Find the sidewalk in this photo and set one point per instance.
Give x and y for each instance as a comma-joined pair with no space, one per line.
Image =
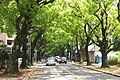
26,73
113,70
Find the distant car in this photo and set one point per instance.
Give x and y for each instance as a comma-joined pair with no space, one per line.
57,59
63,60
50,61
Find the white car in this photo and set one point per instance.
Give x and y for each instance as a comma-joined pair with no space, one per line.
50,61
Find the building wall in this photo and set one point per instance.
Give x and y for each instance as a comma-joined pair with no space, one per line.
3,36
91,55
8,41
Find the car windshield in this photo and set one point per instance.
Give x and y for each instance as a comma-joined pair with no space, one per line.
64,58
50,59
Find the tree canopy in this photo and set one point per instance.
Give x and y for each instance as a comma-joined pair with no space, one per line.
52,25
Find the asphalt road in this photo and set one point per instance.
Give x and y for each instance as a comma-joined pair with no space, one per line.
68,72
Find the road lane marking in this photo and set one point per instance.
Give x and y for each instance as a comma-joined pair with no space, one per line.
71,73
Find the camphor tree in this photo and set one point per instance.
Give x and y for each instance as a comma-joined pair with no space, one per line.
106,15
116,34
57,40
100,18
8,15
20,15
56,35
42,22
81,11
70,24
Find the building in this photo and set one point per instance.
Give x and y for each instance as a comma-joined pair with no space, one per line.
96,56
3,37
8,41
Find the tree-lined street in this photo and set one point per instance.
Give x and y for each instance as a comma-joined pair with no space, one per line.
68,72
33,31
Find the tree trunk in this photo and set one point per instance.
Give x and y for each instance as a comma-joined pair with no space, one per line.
77,54
32,54
104,59
104,47
2,63
34,43
13,63
14,68
24,56
80,56
87,55
68,51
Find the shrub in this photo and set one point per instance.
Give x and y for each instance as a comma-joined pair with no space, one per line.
113,61
117,53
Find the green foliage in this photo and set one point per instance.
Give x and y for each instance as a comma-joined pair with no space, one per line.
56,38
62,20
117,53
8,15
113,61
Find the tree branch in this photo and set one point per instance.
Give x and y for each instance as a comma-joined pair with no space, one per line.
118,6
97,37
17,22
82,40
85,30
96,14
17,1
111,30
95,42
40,2
80,16
78,10
0,2
110,50
113,43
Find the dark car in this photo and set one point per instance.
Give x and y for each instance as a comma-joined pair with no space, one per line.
63,60
57,59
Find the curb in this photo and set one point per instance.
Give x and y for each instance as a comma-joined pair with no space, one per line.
106,72
28,76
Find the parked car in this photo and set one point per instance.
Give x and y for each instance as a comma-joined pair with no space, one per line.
63,60
50,61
